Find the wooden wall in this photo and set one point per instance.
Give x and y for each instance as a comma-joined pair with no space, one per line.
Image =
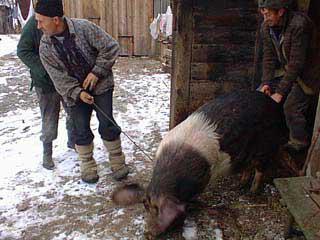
213,51
126,20
314,151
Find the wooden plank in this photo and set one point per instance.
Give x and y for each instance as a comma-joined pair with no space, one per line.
181,61
142,17
314,151
126,45
109,18
122,17
103,15
129,18
220,35
223,53
221,5
115,19
91,10
230,18
303,208
220,72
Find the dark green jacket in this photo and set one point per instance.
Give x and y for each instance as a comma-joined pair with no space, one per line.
28,52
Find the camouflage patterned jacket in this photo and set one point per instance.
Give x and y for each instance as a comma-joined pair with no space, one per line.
98,48
292,54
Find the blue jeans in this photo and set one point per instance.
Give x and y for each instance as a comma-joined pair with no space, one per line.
81,115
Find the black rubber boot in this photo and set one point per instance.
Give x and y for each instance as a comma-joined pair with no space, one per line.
47,161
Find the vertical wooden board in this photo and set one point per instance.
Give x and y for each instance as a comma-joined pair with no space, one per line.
90,10
314,152
78,8
130,17
126,46
137,26
122,18
103,16
115,19
181,61
143,13
109,17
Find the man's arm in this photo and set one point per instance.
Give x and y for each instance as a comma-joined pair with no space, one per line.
107,48
298,52
269,59
67,86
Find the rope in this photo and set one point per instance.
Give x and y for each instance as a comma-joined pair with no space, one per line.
131,140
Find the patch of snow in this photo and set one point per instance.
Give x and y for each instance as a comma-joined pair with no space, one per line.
190,230
8,43
3,80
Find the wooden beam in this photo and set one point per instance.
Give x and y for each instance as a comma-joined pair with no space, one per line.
302,203
314,151
181,61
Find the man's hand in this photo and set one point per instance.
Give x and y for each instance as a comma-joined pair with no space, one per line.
90,82
266,90
86,97
277,97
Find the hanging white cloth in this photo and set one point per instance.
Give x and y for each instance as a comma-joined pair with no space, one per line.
169,19
30,13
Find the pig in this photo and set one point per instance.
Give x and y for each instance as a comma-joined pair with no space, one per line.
235,133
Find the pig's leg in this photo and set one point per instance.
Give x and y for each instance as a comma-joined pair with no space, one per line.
256,181
245,177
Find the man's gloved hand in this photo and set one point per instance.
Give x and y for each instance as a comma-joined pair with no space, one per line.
266,90
277,97
90,82
86,97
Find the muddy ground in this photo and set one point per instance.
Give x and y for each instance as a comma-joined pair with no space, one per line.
224,206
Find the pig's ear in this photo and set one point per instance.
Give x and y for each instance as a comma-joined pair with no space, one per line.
128,195
170,210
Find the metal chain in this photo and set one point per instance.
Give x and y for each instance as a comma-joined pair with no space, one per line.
106,116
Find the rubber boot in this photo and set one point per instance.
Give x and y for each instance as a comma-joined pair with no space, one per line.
117,159
47,161
88,165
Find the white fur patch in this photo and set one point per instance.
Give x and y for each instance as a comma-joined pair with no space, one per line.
196,131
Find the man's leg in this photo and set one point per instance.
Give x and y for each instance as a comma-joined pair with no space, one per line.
295,108
49,107
69,126
81,114
110,134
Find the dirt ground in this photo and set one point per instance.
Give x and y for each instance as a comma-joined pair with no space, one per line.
225,205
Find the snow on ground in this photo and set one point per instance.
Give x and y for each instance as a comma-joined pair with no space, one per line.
31,197
8,43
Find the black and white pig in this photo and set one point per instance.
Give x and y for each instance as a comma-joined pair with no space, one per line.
234,133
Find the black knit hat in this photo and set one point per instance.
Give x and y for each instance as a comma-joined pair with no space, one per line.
49,8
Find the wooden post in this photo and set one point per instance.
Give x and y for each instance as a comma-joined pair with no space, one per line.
314,152
181,60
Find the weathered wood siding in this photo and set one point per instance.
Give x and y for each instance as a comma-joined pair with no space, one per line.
213,51
126,20
314,151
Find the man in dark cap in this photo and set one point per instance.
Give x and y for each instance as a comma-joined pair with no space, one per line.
286,45
48,98
79,55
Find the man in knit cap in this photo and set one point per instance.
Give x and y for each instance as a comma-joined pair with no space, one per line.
79,55
287,45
